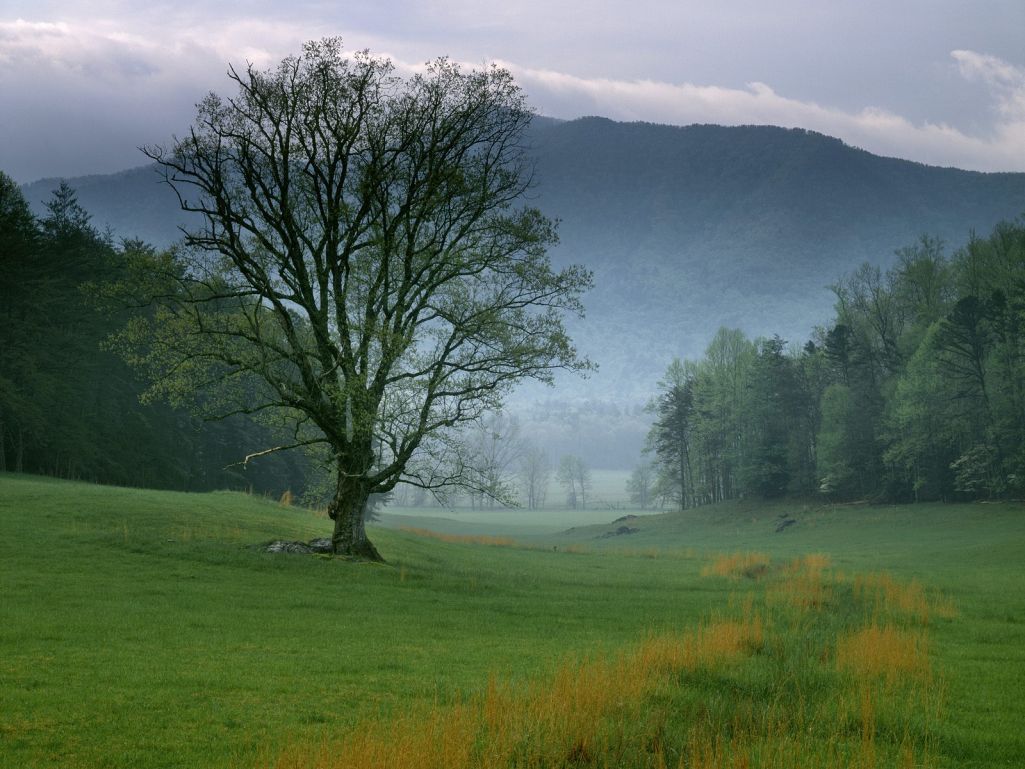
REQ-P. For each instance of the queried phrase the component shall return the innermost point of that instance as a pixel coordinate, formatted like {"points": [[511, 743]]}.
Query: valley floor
{"points": [[147, 629]]}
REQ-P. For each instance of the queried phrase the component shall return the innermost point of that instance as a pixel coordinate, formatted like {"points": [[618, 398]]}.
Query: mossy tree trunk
{"points": [[348, 511]]}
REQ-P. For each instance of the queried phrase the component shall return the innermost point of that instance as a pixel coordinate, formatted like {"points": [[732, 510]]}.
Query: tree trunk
{"points": [[347, 510], [19, 452]]}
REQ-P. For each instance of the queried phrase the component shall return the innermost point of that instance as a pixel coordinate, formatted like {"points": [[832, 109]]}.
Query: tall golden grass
{"points": [[736, 565], [884, 652], [584, 713], [890, 596], [604, 711], [713, 645], [805, 584]]}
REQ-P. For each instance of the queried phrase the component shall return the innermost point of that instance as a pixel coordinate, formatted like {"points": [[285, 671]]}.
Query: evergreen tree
{"points": [[669, 438]]}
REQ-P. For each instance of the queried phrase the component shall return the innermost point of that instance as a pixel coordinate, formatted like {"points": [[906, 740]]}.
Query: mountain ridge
{"points": [[687, 228]]}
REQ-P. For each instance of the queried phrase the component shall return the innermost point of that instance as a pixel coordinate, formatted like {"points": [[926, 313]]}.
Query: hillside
{"points": [[687, 229]]}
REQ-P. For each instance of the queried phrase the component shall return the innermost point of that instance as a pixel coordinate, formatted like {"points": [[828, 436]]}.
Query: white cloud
{"points": [[1005, 81], [106, 50], [117, 84], [876, 130]]}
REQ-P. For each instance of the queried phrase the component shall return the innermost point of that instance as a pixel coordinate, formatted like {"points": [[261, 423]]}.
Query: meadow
{"points": [[147, 629]]}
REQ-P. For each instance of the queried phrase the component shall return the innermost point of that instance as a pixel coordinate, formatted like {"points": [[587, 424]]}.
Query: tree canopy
{"points": [[366, 268]]}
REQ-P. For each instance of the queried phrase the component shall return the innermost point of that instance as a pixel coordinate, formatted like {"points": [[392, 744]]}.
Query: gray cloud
{"points": [[932, 80], [874, 129]]}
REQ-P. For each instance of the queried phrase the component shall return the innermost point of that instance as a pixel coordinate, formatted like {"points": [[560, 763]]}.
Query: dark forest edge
{"points": [[914, 391], [69, 406]]}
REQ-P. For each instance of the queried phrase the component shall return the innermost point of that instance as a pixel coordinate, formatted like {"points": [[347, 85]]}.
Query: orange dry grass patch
{"points": [[887, 595], [812, 563], [586, 714], [440, 738], [575, 717], [883, 652], [734, 565], [462, 539], [805, 582], [711, 646]]}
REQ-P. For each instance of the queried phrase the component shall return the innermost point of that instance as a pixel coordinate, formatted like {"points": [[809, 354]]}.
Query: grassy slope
{"points": [[974, 553], [138, 628]]}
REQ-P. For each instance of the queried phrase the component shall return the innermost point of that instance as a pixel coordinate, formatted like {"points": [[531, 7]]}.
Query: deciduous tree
{"points": [[575, 477], [365, 266], [535, 472], [641, 485]]}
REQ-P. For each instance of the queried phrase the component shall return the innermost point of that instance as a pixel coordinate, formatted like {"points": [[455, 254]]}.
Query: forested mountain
{"points": [[689, 229], [686, 228]]}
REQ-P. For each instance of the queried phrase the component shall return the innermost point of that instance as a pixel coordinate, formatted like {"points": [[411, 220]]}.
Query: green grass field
{"points": [[144, 629]]}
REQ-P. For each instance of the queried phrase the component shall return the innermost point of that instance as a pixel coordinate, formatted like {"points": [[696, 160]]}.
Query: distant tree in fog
{"points": [[497, 447], [575, 477], [535, 472], [641, 485]]}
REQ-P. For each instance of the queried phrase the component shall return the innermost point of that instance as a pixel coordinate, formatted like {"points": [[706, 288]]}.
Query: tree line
{"points": [[69, 406], [914, 391]]}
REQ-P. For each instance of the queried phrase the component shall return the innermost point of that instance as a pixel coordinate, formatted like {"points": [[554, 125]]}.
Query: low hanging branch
{"points": [[265, 452]]}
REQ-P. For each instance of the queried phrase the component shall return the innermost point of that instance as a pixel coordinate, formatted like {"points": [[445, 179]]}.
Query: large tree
{"points": [[363, 265]]}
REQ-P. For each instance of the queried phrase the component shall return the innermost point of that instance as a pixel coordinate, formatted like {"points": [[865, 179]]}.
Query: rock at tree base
{"points": [[321, 545]]}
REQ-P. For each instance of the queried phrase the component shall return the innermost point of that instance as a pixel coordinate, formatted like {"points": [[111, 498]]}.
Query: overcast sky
{"points": [[82, 85]]}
